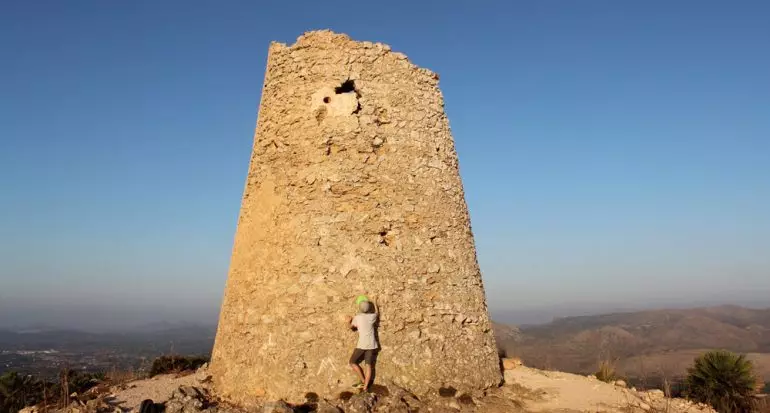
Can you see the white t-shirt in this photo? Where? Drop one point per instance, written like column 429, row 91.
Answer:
column 365, row 322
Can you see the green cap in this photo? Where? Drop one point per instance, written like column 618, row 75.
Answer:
column 361, row 298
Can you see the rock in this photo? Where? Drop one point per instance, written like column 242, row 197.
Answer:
column 392, row 405
column 509, row 376
column 94, row 405
column 511, row 363
column 656, row 394
column 202, row 375
column 361, row 403
column 644, row 406
column 397, row 400
column 620, row 383
column 30, row 409
column 442, row 409
column 187, row 399
column 277, row 407
column 323, row 406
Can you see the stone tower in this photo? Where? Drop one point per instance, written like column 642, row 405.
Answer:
column 353, row 188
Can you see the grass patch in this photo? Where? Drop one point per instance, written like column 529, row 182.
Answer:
column 176, row 364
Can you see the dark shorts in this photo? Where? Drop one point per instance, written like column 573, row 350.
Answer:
column 367, row 356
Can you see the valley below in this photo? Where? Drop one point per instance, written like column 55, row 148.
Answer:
column 644, row 347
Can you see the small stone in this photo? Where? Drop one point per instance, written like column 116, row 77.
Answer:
column 511, row 363
column 323, row 406
column 277, row 407
column 434, row 268
column 656, row 394
column 644, row 406
column 202, row 375
column 377, row 141
column 620, row 383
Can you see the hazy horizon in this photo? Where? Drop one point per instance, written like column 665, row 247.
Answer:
column 613, row 154
column 95, row 318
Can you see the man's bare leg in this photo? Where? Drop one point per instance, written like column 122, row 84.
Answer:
column 359, row 372
column 368, row 375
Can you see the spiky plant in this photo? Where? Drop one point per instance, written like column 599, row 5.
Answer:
column 606, row 372
column 724, row 380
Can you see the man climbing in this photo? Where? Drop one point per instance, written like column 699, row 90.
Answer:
column 366, row 348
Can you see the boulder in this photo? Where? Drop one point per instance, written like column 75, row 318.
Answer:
column 187, row 399
column 361, row 403
column 202, row 375
column 397, row 399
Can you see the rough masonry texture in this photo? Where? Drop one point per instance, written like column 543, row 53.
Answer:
column 353, row 188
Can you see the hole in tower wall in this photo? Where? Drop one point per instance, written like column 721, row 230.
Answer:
column 327, row 99
column 447, row 391
column 384, row 239
column 346, row 87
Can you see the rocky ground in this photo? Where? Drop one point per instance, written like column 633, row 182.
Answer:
column 525, row 390
column 548, row 391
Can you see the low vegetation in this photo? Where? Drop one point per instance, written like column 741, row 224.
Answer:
column 724, row 380
column 18, row 391
column 606, row 372
column 176, row 364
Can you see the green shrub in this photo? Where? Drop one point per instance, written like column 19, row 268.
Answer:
column 18, row 391
column 79, row 381
column 175, row 364
column 724, row 380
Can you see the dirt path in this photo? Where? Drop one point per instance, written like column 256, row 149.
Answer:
column 550, row 391
column 158, row 388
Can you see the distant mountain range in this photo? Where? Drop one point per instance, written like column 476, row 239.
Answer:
column 644, row 343
column 652, row 343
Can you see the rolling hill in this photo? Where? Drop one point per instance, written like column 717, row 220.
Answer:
column 657, row 343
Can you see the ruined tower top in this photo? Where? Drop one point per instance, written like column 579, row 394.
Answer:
column 353, row 188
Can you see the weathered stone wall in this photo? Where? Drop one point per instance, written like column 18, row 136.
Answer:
column 353, row 188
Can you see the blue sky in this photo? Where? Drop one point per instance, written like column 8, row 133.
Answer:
column 614, row 154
